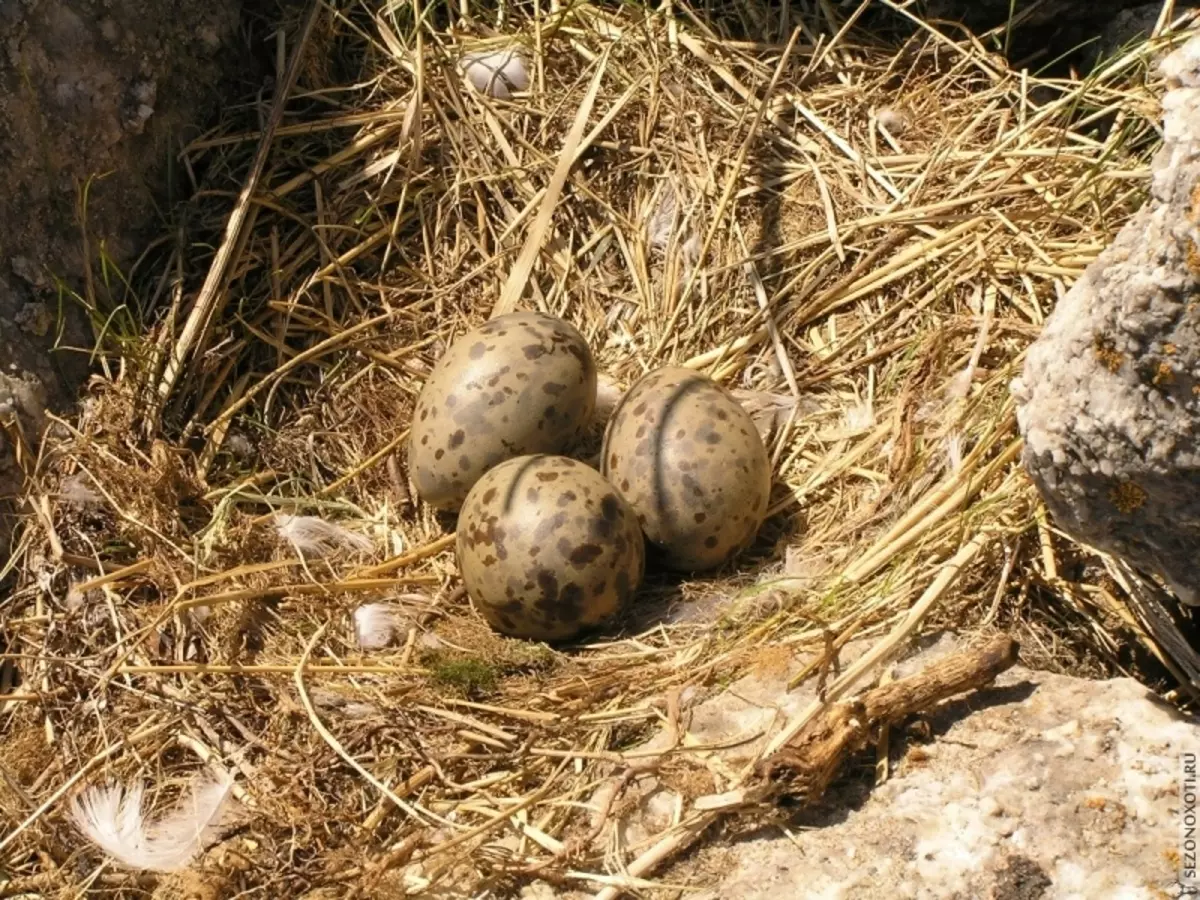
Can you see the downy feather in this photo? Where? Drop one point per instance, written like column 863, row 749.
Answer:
column 313, row 536
column 111, row 817
column 375, row 624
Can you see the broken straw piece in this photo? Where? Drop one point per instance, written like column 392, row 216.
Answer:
column 497, row 73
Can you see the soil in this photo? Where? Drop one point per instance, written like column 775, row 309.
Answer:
column 96, row 98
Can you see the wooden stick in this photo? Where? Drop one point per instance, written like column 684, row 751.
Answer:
column 811, row 760
column 806, row 765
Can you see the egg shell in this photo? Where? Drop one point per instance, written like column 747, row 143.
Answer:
column 691, row 463
column 521, row 383
column 547, row 548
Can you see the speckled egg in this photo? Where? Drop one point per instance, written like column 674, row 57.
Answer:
column 548, row 548
column 522, row 383
column 690, row 462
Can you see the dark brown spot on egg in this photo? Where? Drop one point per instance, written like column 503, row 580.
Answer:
column 424, row 439
column 547, row 583
column 639, row 409
column 711, row 437
column 711, row 541
column 489, row 495
column 567, row 497
column 599, row 588
column 700, row 517
column 570, row 601
column 680, row 434
column 464, row 463
column 424, row 414
column 610, row 507
column 553, row 388
column 457, row 439
column 547, row 476
column 625, row 484
column 722, row 415
column 440, row 453
column 534, row 351
column 584, row 554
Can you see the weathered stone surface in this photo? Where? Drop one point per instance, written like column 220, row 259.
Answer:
column 1042, row 787
column 1109, row 400
column 95, row 93
column 1055, row 32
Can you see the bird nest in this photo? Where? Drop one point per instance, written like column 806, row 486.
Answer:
column 858, row 225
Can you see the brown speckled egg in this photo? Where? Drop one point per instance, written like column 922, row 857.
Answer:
column 522, row 383
column 547, row 548
column 690, row 462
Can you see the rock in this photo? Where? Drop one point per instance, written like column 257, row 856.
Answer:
column 1042, row 787
column 1067, row 30
column 34, row 318
column 1127, row 26
column 1109, row 400
column 97, row 94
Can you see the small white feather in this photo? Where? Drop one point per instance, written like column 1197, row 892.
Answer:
column 376, row 624
column 313, row 536
column 892, row 120
column 111, row 817
column 954, row 450
column 76, row 491
column 497, row 73
column 662, row 221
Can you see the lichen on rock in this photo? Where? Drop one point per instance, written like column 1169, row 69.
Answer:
column 1109, row 400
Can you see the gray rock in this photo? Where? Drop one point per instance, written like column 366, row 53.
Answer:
column 1109, row 400
column 1042, row 787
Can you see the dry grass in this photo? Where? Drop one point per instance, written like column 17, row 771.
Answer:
column 869, row 291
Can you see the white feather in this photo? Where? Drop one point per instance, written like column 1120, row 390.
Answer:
column 954, row 450
column 111, row 817
column 313, row 536
column 497, row 73
column 376, row 624
column 662, row 221
column 76, row 491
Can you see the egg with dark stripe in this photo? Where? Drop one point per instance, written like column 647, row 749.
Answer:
column 521, row 383
column 547, row 548
column 691, row 463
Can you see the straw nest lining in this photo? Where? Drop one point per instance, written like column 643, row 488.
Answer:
column 859, row 237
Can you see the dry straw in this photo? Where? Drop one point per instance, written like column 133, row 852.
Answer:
column 867, row 287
